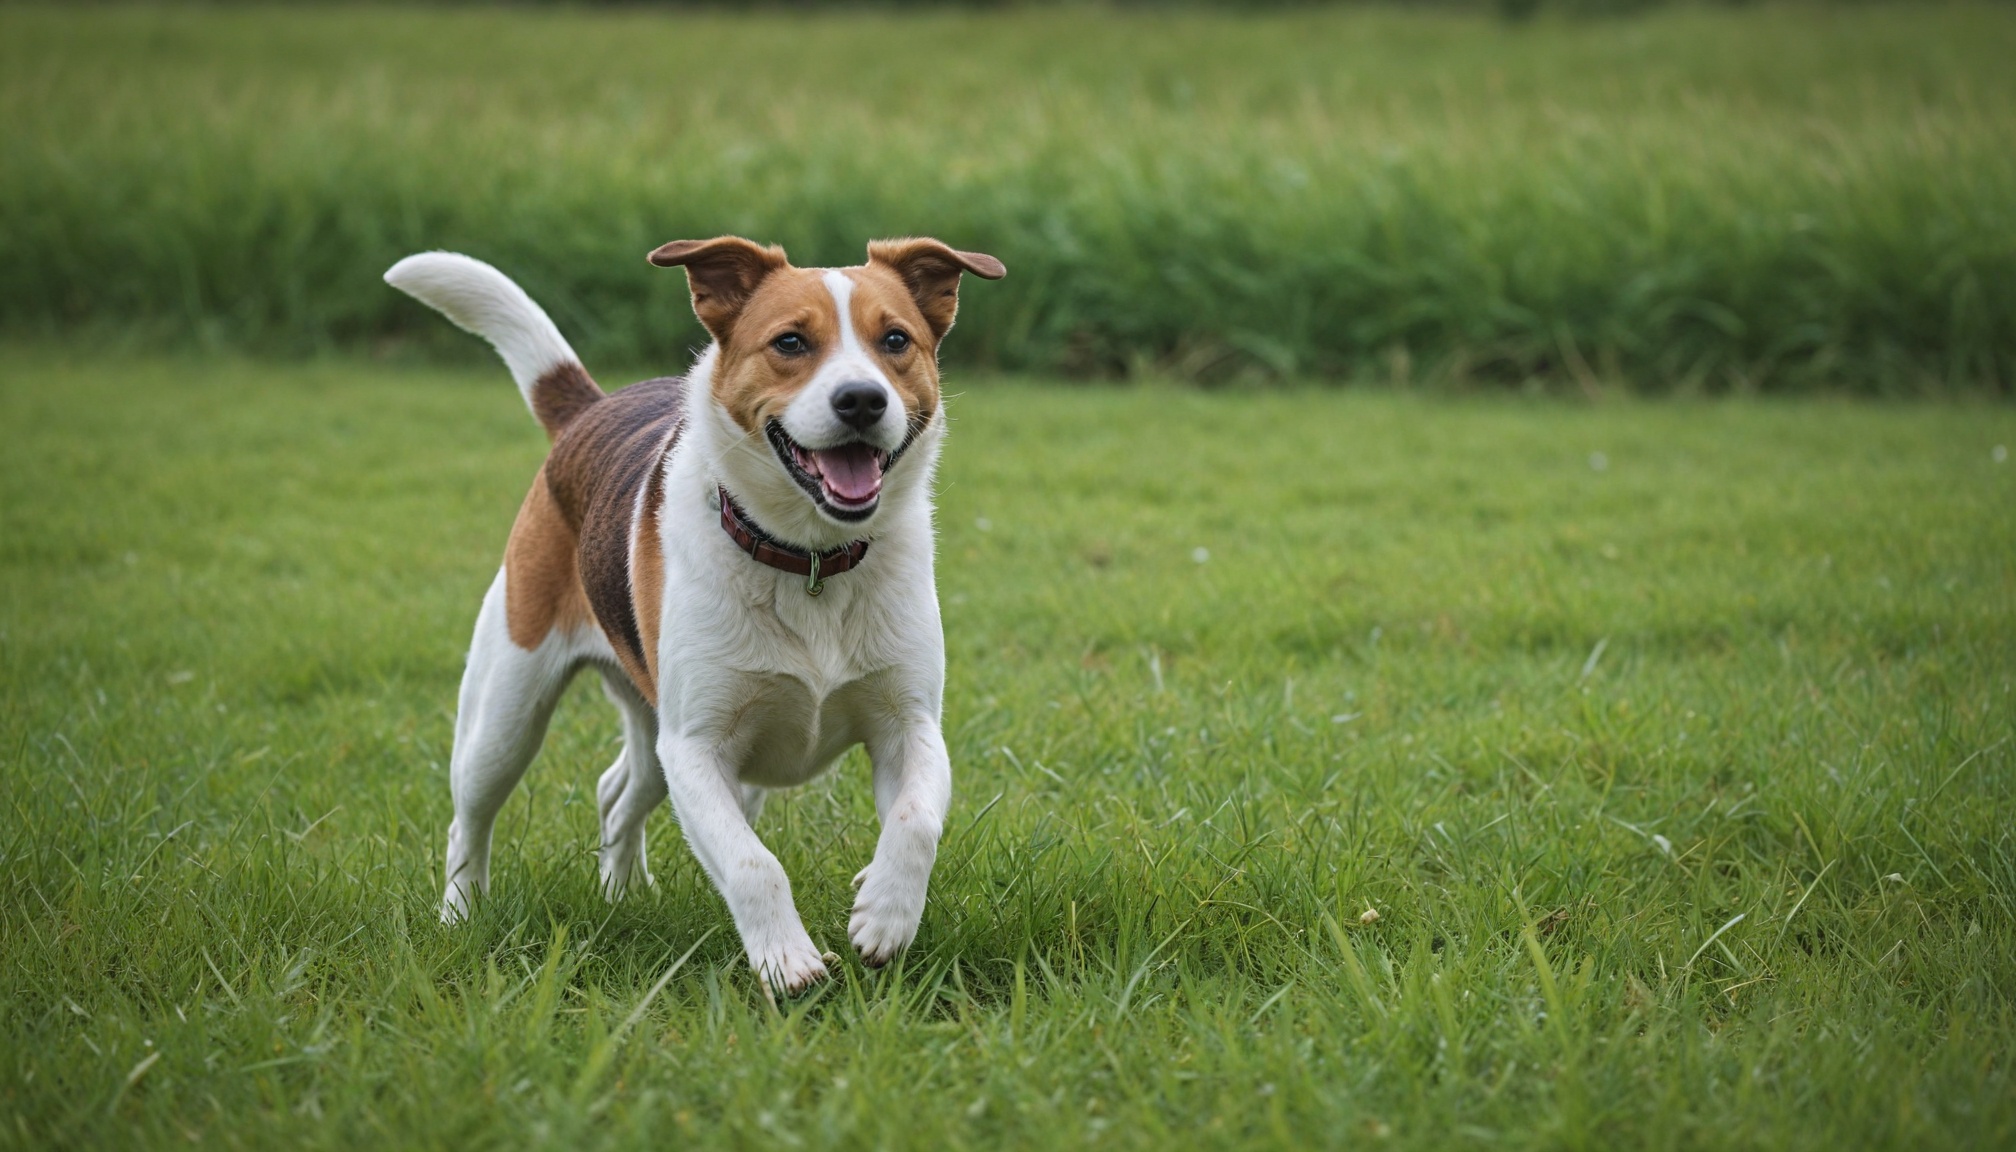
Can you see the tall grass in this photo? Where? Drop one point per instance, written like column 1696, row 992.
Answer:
column 1774, row 198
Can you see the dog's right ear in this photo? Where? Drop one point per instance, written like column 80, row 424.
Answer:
column 723, row 273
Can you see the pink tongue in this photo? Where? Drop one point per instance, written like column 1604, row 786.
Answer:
column 851, row 471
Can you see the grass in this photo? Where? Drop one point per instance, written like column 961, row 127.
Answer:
column 1699, row 199
column 1670, row 743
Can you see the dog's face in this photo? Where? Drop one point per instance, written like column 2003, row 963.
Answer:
column 835, row 370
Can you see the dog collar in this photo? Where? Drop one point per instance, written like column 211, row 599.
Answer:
column 766, row 549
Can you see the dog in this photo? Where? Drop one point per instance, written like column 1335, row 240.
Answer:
column 744, row 555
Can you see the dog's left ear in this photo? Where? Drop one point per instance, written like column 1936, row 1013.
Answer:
column 932, row 269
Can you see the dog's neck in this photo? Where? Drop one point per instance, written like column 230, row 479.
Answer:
column 751, row 538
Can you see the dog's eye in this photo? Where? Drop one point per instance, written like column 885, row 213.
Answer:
column 895, row 341
column 790, row 344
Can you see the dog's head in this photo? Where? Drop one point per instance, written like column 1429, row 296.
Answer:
column 830, row 373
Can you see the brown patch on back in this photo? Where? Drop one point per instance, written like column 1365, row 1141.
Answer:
column 561, row 394
column 542, row 584
column 599, row 467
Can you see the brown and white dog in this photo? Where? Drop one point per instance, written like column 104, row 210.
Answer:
column 744, row 554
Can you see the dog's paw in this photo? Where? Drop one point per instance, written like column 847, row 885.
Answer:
column 455, row 903
column 623, row 871
column 788, row 967
column 887, row 908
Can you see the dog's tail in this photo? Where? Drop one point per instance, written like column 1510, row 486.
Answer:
column 484, row 301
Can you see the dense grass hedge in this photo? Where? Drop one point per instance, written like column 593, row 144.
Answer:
column 1776, row 198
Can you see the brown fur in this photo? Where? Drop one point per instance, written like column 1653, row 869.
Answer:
column 560, row 395
column 581, row 512
column 647, row 577
column 930, row 270
column 722, row 272
column 753, row 380
column 542, row 584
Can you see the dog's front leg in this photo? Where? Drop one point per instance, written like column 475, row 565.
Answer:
column 708, row 803
column 913, row 789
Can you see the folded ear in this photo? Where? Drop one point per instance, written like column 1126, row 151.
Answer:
column 932, row 269
column 723, row 273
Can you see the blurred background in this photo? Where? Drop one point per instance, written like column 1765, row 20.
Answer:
column 1583, row 194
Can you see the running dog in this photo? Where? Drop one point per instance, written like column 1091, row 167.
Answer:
column 744, row 555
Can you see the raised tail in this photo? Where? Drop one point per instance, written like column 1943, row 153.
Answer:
column 484, row 301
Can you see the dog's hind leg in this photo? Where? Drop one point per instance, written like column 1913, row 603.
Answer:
column 752, row 801
column 507, row 698
column 629, row 790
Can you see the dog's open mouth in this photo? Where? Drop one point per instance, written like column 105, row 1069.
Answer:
column 845, row 480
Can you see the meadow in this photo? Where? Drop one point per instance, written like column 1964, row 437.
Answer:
column 1524, row 773
column 1697, row 199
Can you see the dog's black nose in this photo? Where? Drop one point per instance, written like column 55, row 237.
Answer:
column 860, row 404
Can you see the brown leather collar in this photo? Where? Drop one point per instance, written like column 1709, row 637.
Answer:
column 766, row 549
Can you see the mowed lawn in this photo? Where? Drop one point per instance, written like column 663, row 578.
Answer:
column 1669, row 742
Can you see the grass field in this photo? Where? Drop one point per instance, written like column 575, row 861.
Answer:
column 1669, row 742
column 1701, row 198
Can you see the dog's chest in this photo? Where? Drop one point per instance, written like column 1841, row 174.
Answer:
column 778, row 680
column 781, row 734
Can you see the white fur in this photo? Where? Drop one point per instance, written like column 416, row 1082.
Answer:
column 760, row 686
column 507, row 697
column 485, row 302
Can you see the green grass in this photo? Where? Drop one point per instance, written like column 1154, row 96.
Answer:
column 1776, row 197
column 1680, row 777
